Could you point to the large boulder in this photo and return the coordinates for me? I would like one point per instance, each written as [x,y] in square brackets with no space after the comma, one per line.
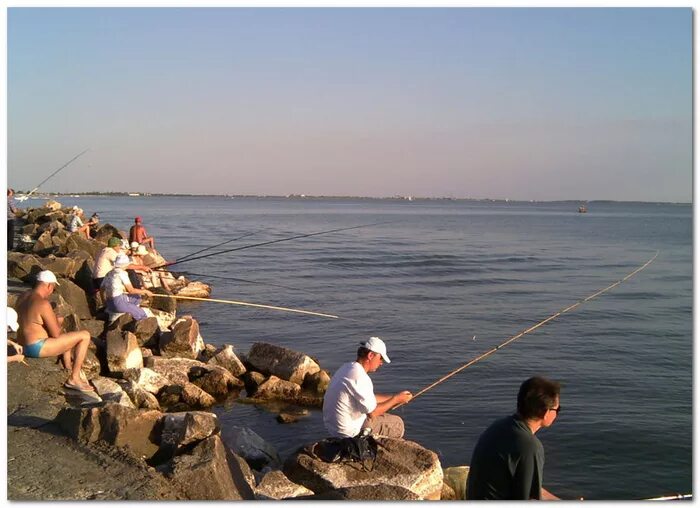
[184,341]
[168,305]
[399,463]
[78,242]
[205,473]
[34,214]
[81,424]
[252,380]
[147,380]
[75,296]
[140,397]
[195,397]
[52,205]
[96,327]
[183,429]
[110,391]
[367,493]
[195,289]
[61,267]
[245,443]
[456,478]
[217,381]
[281,362]
[227,359]
[165,319]
[176,370]
[275,485]
[275,388]
[123,352]
[44,244]
[105,232]
[317,382]
[146,331]
[52,227]
[22,266]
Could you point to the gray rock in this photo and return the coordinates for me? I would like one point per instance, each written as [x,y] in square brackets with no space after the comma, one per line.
[23,266]
[96,327]
[61,267]
[147,380]
[244,442]
[140,397]
[168,305]
[130,428]
[75,296]
[252,380]
[44,244]
[110,391]
[456,477]
[205,474]
[281,362]
[275,485]
[183,429]
[184,341]
[218,381]
[196,398]
[275,388]
[227,359]
[317,382]
[399,463]
[123,352]
[81,424]
[106,231]
[146,331]
[367,493]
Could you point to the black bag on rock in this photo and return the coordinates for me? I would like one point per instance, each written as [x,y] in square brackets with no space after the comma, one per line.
[361,449]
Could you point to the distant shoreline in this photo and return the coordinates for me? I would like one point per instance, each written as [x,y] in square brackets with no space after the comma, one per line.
[339,198]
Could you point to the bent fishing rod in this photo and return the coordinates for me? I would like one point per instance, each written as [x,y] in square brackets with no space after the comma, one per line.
[528,330]
[237,279]
[270,243]
[26,196]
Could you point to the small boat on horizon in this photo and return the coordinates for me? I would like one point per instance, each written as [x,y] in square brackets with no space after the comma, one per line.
[582,209]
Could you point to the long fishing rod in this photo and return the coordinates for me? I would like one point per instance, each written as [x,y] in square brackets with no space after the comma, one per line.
[236,279]
[248,304]
[669,498]
[26,196]
[213,247]
[271,242]
[532,328]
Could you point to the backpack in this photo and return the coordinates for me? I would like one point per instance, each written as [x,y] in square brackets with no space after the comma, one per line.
[360,449]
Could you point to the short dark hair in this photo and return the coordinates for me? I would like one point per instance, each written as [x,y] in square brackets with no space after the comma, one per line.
[536,395]
[362,352]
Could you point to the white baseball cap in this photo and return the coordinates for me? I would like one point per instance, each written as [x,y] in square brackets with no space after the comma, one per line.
[135,245]
[121,261]
[12,319]
[48,277]
[376,345]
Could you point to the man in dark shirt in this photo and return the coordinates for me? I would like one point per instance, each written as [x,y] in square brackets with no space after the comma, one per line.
[508,459]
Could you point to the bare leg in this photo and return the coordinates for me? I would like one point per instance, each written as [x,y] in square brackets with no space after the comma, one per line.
[67,342]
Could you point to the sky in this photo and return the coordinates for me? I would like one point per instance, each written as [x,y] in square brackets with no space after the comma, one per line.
[501,103]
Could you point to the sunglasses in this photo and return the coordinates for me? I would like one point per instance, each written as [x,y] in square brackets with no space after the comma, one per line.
[557,409]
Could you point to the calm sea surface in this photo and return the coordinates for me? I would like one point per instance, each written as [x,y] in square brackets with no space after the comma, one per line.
[446,281]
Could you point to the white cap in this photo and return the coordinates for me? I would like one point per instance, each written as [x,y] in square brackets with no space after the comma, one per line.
[48,277]
[12,319]
[135,245]
[121,261]
[141,251]
[376,345]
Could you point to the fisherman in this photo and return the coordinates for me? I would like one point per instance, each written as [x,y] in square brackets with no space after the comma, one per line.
[76,223]
[120,294]
[508,460]
[138,234]
[350,404]
[104,261]
[40,331]
[137,269]
[11,214]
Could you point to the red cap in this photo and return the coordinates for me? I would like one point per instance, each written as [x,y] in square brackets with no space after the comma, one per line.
[137,219]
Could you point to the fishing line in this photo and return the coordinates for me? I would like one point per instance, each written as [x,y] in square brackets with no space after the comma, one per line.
[248,304]
[236,279]
[532,328]
[273,241]
[213,247]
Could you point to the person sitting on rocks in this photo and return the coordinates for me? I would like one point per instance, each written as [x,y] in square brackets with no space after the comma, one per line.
[120,294]
[105,261]
[11,215]
[76,223]
[14,350]
[40,331]
[138,234]
[350,404]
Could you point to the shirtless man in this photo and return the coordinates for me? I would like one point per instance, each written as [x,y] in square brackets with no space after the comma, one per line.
[40,331]
[138,234]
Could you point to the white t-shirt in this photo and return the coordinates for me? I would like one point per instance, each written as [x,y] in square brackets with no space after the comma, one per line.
[115,283]
[104,262]
[75,223]
[348,399]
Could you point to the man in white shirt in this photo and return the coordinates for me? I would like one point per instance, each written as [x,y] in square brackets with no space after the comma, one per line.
[120,295]
[350,403]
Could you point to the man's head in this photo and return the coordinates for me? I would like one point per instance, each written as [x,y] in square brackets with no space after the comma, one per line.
[12,319]
[122,261]
[115,243]
[137,220]
[372,353]
[538,398]
[10,192]
[46,278]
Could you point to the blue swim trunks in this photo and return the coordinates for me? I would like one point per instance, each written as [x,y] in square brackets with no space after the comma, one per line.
[32,350]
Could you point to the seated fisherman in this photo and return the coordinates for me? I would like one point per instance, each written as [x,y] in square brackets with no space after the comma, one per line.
[40,331]
[120,294]
[138,234]
[76,223]
[350,403]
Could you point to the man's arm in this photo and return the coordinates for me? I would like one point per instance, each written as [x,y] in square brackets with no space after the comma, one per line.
[386,402]
[51,324]
[548,496]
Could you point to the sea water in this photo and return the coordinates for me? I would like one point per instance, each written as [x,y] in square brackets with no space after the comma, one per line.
[443,281]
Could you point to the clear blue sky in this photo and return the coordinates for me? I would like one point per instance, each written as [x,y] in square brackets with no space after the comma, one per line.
[529,103]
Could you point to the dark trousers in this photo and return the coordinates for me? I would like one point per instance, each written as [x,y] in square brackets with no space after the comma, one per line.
[10,234]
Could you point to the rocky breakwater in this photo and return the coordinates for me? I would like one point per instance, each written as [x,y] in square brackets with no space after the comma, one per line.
[156,379]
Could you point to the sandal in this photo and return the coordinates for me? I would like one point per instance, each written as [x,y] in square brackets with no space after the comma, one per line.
[70,386]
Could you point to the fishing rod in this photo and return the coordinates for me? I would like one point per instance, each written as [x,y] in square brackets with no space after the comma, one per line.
[248,304]
[532,328]
[672,497]
[213,247]
[236,279]
[26,196]
[271,242]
